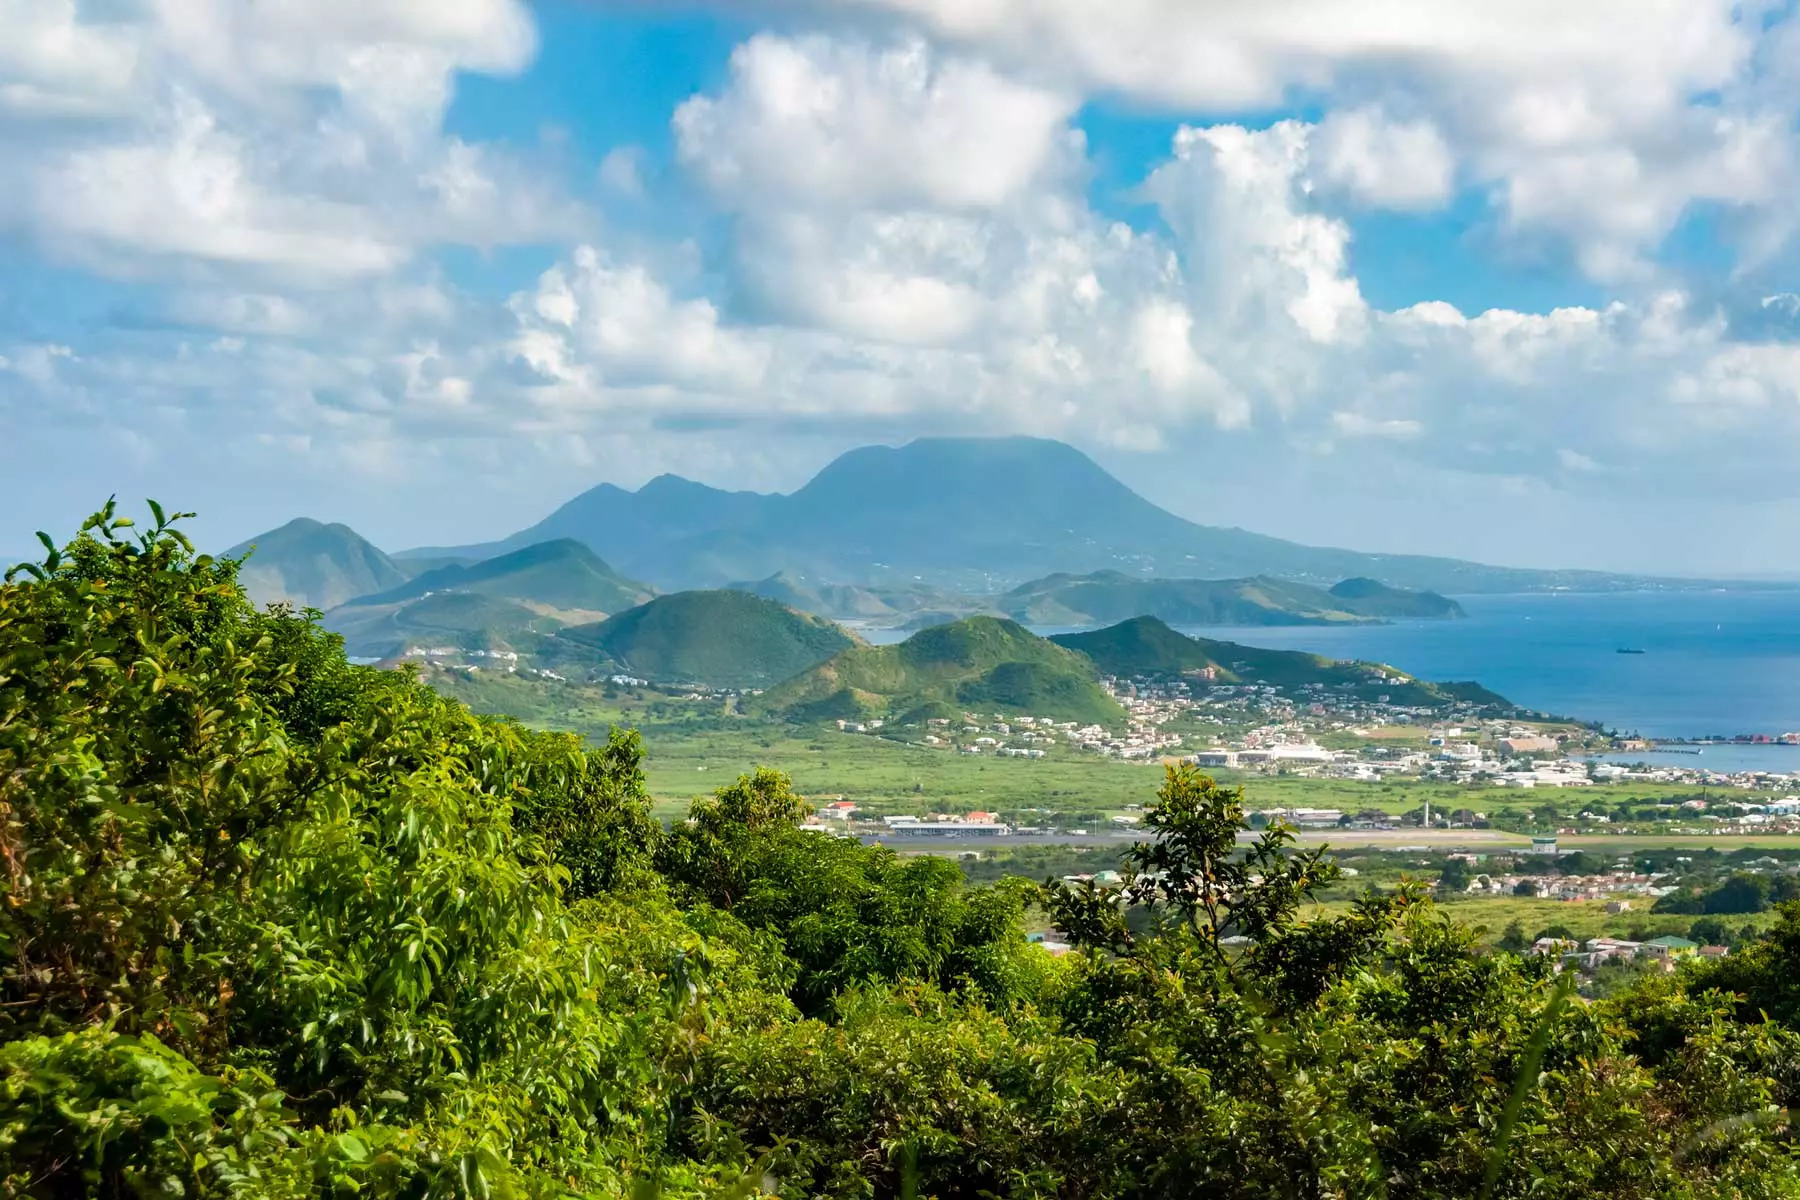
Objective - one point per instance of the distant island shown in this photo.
(972, 516)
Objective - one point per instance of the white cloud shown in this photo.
(597, 323)
(297, 138)
(822, 122)
(1599, 123)
(1233, 197)
(186, 190)
(1383, 162)
(1358, 425)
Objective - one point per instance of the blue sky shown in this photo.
(1513, 284)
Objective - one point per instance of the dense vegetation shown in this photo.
(278, 926)
(723, 638)
(981, 662)
(1146, 646)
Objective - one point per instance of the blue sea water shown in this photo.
(1714, 663)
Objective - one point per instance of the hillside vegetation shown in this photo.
(313, 565)
(505, 602)
(723, 639)
(562, 575)
(1145, 646)
(1108, 596)
(984, 663)
(282, 927)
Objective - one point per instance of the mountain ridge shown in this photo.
(977, 515)
(313, 564)
(1104, 597)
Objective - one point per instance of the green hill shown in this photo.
(313, 565)
(1372, 598)
(466, 620)
(1107, 596)
(987, 663)
(1146, 647)
(842, 601)
(561, 577)
(723, 638)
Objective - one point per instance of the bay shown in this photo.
(1718, 663)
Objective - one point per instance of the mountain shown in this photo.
(313, 565)
(976, 515)
(502, 603)
(562, 576)
(463, 620)
(981, 663)
(1146, 647)
(844, 601)
(722, 638)
(1106, 596)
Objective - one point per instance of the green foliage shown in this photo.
(846, 913)
(983, 662)
(721, 638)
(278, 926)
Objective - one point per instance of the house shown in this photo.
(1670, 946)
(838, 810)
(1528, 745)
(1713, 951)
(1615, 907)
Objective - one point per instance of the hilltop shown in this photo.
(985, 663)
(1107, 596)
(845, 602)
(497, 603)
(313, 565)
(1146, 647)
(465, 620)
(720, 638)
(560, 577)
(975, 515)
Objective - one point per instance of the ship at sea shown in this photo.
(1628, 650)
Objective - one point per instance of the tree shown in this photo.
(1513, 938)
(1742, 893)
(1708, 931)
(1454, 878)
(1195, 868)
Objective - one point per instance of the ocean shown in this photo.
(1713, 664)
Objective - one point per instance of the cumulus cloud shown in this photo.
(818, 121)
(292, 138)
(1384, 162)
(1600, 123)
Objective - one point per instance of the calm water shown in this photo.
(1714, 662)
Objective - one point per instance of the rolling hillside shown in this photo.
(505, 602)
(974, 515)
(981, 663)
(722, 638)
(466, 620)
(1146, 647)
(847, 602)
(560, 577)
(313, 565)
(1108, 596)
